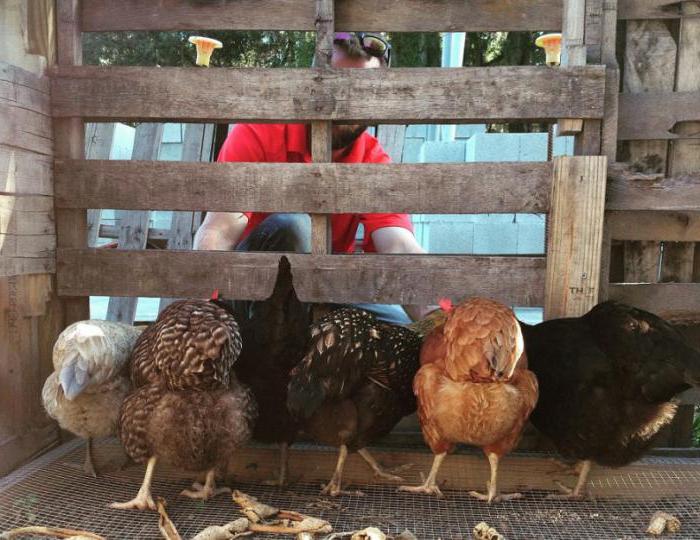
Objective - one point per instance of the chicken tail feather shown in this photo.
(74, 375)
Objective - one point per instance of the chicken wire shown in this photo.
(51, 491)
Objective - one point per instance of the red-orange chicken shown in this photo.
(474, 387)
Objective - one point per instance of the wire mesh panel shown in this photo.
(53, 492)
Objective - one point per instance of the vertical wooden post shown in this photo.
(98, 144)
(573, 53)
(133, 224)
(69, 135)
(575, 235)
(321, 132)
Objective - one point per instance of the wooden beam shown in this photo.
(98, 145)
(402, 279)
(280, 95)
(654, 226)
(667, 300)
(681, 193)
(649, 9)
(133, 225)
(655, 115)
(69, 137)
(450, 188)
(575, 236)
(389, 16)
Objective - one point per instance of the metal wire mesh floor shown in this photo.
(51, 492)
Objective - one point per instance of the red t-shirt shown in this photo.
(287, 143)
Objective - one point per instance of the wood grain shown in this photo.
(654, 226)
(648, 9)
(654, 115)
(25, 173)
(404, 279)
(575, 236)
(321, 188)
(98, 145)
(680, 193)
(279, 95)
(390, 15)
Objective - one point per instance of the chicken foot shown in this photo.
(579, 492)
(492, 494)
(284, 467)
(379, 472)
(332, 488)
(430, 486)
(143, 499)
(206, 491)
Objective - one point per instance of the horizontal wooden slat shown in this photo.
(668, 300)
(651, 116)
(390, 15)
(25, 129)
(648, 9)
(299, 187)
(681, 193)
(405, 279)
(654, 226)
(282, 95)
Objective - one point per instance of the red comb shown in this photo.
(215, 294)
(445, 304)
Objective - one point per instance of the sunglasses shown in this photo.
(372, 44)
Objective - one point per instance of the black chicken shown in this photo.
(607, 380)
(274, 334)
(354, 384)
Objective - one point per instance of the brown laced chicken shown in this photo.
(354, 384)
(474, 387)
(91, 379)
(189, 409)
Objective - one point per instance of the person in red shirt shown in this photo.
(290, 143)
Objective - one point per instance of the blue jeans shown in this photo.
(292, 233)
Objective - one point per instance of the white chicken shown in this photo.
(90, 379)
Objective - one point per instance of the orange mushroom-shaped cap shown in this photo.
(551, 43)
(205, 46)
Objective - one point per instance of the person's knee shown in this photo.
(291, 231)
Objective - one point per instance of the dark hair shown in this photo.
(353, 49)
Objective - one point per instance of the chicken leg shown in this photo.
(430, 486)
(284, 467)
(206, 491)
(332, 488)
(377, 468)
(89, 465)
(143, 499)
(492, 494)
(579, 492)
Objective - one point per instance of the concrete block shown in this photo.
(443, 152)
(531, 238)
(495, 238)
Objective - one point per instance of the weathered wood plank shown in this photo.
(25, 173)
(26, 129)
(323, 188)
(390, 16)
(69, 137)
(24, 97)
(654, 226)
(575, 235)
(668, 300)
(394, 96)
(680, 193)
(28, 214)
(133, 225)
(404, 279)
(98, 145)
(654, 115)
(21, 77)
(392, 137)
(649, 9)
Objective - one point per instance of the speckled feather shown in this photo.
(192, 345)
(188, 429)
(354, 383)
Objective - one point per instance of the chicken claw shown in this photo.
(332, 488)
(206, 491)
(379, 472)
(568, 494)
(492, 497)
(426, 489)
(142, 501)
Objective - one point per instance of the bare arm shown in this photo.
(220, 231)
(400, 240)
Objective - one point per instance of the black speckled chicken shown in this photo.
(607, 382)
(275, 337)
(354, 384)
(189, 409)
(91, 379)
